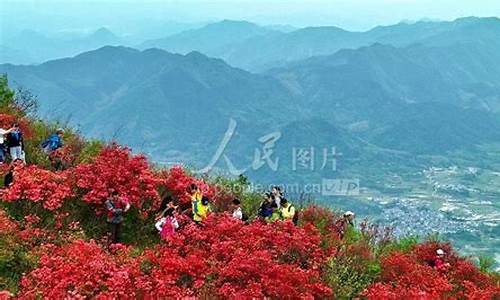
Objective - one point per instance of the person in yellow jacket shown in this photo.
(195, 195)
(287, 210)
(201, 210)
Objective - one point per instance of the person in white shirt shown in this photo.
(237, 212)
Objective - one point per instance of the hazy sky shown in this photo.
(128, 15)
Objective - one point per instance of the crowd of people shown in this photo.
(274, 207)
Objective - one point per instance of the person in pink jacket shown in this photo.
(167, 224)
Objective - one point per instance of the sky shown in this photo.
(127, 16)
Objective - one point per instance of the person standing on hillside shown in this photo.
(343, 224)
(277, 195)
(265, 209)
(167, 224)
(440, 260)
(115, 208)
(201, 210)
(3, 149)
(15, 143)
(53, 142)
(237, 212)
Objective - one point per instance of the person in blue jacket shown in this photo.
(54, 142)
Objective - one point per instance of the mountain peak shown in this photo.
(104, 35)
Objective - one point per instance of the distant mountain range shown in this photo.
(29, 47)
(257, 48)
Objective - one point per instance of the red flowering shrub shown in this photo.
(38, 185)
(177, 182)
(426, 252)
(7, 226)
(5, 295)
(225, 258)
(410, 276)
(115, 168)
(65, 157)
(323, 218)
(255, 260)
(404, 278)
(6, 121)
(76, 270)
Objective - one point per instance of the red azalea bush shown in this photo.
(225, 258)
(411, 276)
(65, 157)
(116, 169)
(256, 260)
(78, 270)
(38, 185)
(7, 226)
(323, 218)
(6, 121)
(177, 182)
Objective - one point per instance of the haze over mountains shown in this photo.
(256, 48)
(30, 46)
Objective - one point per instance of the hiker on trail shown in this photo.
(167, 224)
(53, 142)
(201, 210)
(288, 211)
(275, 215)
(265, 209)
(237, 212)
(115, 208)
(440, 260)
(344, 223)
(15, 143)
(3, 148)
(9, 177)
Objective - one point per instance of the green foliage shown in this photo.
(486, 263)
(404, 245)
(349, 275)
(15, 259)
(352, 236)
(90, 150)
(6, 94)
(139, 231)
(238, 187)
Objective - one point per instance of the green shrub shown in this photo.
(349, 275)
